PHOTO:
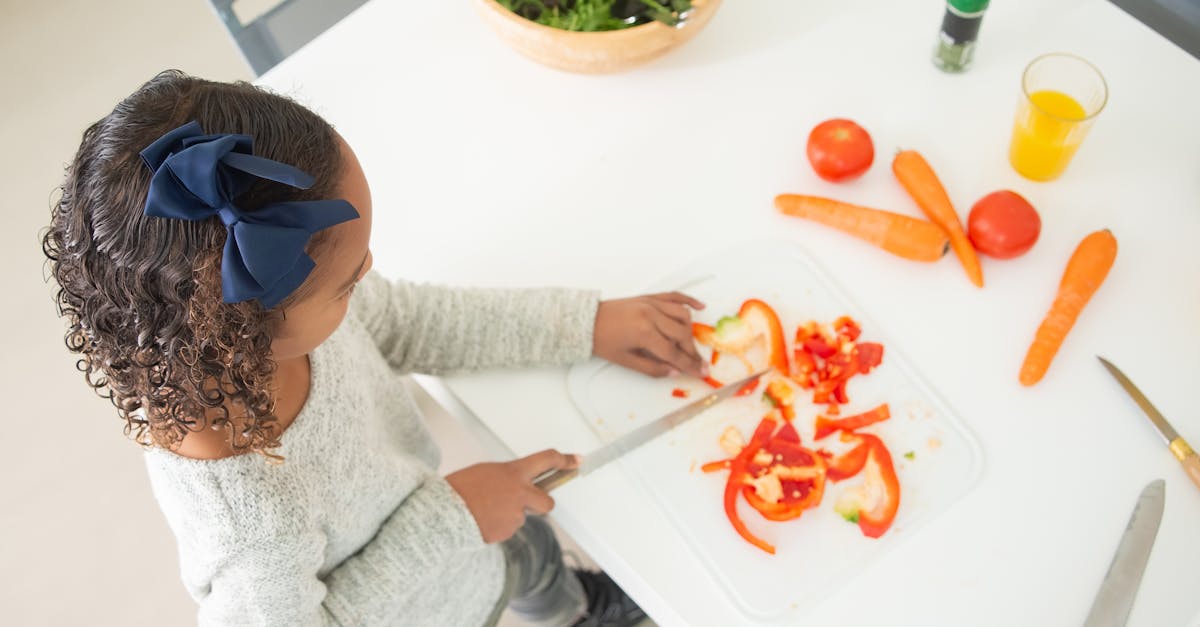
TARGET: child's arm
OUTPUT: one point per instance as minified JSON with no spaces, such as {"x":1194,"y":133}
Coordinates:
{"x":267,"y":574}
{"x":433,"y":329}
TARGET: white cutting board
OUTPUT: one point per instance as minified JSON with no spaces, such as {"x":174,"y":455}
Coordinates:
{"x":819,"y":552}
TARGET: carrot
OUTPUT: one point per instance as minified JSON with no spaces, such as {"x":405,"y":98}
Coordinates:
{"x":898,"y":234}
{"x":1085,"y":272}
{"x":923,"y":185}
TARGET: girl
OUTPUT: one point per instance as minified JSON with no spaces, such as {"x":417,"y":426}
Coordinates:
{"x":211,"y":248}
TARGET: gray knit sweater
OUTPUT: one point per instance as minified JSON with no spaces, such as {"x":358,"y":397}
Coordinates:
{"x":356,"y":527}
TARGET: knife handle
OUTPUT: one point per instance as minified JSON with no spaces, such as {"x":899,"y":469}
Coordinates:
{"x":551,"y":479}
{"x":1187,"y":457}
{"x":1192,"y":465}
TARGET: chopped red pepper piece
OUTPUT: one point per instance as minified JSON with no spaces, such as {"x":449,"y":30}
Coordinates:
{"x":869,"y":355}
{"x":793,"y":480}
{"x":679,"y":393}
{"x":819,"y":347}
{"x":759,"y":315}
{"x":825,"y":426}
{"x":738,"y":474}
{"x":846,"y":327}
{"x":873,"y":505}
{"x":849,"y":463}
{"x":720,"y":464}
{"x":780,"y":395}
{"x":788,"y":433}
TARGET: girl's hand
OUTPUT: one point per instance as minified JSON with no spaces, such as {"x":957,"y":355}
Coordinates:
{"x":650,"y":334}
{"x":499,"y":495}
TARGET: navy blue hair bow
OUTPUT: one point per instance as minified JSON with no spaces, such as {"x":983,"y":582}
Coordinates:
{"x":198,"y":176}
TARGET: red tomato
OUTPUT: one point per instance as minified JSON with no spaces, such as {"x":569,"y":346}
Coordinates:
{"x":1003,"y":225}
{"x":840,"y":150}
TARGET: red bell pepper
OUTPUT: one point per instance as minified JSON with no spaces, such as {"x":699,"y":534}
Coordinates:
{"x":819,"y":347}
{"x":781,"y":396}
{"x":869,"y":355}
{"x":849,"y":463}
{"x":873,"y":505}
{"x":797,"y":475}
{"x":788,"y":433}
{"x":805,"y":367}
{"x":738,"y":473}
{"x":679,"y":393}
{"x":847,"y":327}
{"x":743,"y":391}
{"x":825,"y":426}
{"x":759,"y":315}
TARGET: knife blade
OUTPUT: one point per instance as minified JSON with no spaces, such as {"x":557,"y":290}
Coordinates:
{"x":607,"y":453}
{"x":1179,"y":446}
{"x":1120,"y":585}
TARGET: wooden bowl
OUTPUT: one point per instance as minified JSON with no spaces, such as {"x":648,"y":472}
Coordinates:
{"x":593,"y":53}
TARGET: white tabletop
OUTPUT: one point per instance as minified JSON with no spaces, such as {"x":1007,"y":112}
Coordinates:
{"x":490,"y":170}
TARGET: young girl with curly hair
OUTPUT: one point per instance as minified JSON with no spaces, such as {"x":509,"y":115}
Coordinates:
{"x":211,"y":244}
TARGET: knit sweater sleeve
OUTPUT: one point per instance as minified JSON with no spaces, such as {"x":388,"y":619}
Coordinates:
{"x":263,"y":571}
{"x":439,"y":330}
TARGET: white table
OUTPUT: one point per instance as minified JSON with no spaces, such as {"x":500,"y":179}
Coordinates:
{"x":488,"y":169}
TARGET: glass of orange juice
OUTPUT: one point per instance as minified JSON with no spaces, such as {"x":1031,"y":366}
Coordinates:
{"x":1061,"y":96}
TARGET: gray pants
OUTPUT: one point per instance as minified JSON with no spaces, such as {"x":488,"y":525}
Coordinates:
{"x":538,"y":585}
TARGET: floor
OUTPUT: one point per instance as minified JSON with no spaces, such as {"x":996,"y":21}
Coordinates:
{"x":81,"y":539}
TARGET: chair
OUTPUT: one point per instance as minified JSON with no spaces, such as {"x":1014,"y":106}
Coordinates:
{"x":283,"y":29}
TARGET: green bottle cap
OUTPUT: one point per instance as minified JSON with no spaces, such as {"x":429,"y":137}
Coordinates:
{"x":968,"y":6}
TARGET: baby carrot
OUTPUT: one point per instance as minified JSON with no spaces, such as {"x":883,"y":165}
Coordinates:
{"x":1086,"y":270}
{"x":923,"y":185}
{"x":898,"y":234}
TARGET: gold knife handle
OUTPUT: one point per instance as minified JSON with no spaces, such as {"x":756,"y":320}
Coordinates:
{"x":549,"y":480}
{"x":1187,"y":457}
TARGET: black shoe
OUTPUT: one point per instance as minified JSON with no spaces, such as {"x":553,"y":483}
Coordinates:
{"x":607,"y":603}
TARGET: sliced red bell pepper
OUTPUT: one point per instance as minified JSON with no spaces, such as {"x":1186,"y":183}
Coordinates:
{"x":799,"y":476}
{"x":759,"y":315}
{"x":846,"y":327}
{"x":825,"y":426}
{"x":679,"y":393}
{"x":737,"y":479}
{"x":720,"y":464}
{"x":774,"y":511}
{"x":839,"y":393}
{"x":873,"y":505}
{"x":869,"y":355}
{"x":788,"y":433}
{"x":849,"y":463}
{"x":819,"y":347}
{"x":780,"y":395}
{"x":703,"y":333}
{"x":743,"y":391}
{"x":804,"y":367}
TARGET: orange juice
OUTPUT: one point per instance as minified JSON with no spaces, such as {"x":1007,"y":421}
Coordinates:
{"x":1049,"y":128}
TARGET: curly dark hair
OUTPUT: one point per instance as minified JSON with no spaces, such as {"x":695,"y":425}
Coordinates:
{"x":142,"y":295}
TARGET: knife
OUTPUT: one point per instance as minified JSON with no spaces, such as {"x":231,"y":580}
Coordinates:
{"x":1179,"y":447}
{"x":1120,"y":585}
{"x":601,"y":456}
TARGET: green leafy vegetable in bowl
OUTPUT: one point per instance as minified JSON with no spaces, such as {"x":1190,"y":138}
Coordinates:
{"x":599,"y":15}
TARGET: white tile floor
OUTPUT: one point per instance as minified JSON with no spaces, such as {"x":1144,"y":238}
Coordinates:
{"x":81,"y":540}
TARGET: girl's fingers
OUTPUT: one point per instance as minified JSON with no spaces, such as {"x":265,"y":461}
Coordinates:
{"x":646,"y":364}
{"x":667,"y":350}
{"x":674,"y":311}
{"x":538,"y":502}
{"x":531,"y":466}
{"x":681,"y":337}
{"x":681,"y":298}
